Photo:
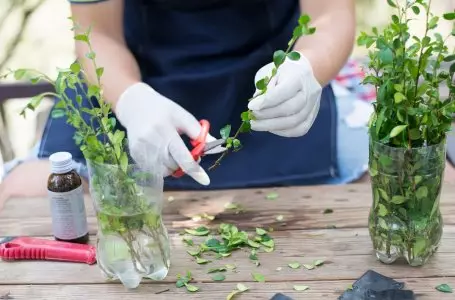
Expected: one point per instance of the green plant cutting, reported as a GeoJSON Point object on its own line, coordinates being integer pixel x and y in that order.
{"type": "Point", "coordinates": [279, 56]}
{"type": "Point", "coordinates": [408, 131]}
{"type": "Point", "coordinates": [123, 210]}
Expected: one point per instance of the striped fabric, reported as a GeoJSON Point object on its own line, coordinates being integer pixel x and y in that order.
{"type": "Point", "coordinates": [351, 76]}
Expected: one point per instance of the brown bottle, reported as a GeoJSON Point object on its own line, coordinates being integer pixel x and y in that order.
{"type": "Point", "coordinates": [66, 195]}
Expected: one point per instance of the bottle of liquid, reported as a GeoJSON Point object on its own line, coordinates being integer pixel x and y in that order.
{"type": "Point", "coordinates": [64, 185]}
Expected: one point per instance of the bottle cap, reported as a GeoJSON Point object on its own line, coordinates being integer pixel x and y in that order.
{"type": "Point", "coordinates": [61, 162]}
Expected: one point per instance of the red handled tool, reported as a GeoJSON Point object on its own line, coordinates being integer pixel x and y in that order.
{"type": "Point", "coordinates": [30, 248]}
{"type": "Point", "coordinates": [200, 146]}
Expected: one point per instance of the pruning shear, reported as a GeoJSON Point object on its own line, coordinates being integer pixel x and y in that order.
{"type": "Point", "coordinates": [201, 147]}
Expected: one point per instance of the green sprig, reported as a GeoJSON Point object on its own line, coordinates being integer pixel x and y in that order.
{"type": "Point", "coordinates": [279, 57]}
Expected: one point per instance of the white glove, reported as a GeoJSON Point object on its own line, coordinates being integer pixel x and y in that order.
{"type": "Point", "coordinates": [291, 103]}
{"type": "Point", "coordinates": [154, 124]}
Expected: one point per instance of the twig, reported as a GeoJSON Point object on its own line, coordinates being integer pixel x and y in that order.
{"type": "Point", "coordinates": [162, 291]}
{"type": "Point", "coordinates": [28, 12]}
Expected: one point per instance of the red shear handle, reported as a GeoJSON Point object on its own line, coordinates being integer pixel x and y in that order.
{"type": "Point", "coordinates": [28, 248]}
{"type": "Point", "coordinates": [198, 145]}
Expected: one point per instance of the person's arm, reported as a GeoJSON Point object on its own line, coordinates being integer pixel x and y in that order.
{"type": "Point", "coordinates": [330, 46]}
{"type": "Point", "coordinates": [107, 38]}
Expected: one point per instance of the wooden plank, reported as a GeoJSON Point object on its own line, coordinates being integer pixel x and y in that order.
{"type": "Point", "coordinates": [301, 207]}
{"type": "Point", "coordinates": [347, 254]}
{"type": "Point", "coordinates": [423, 287]}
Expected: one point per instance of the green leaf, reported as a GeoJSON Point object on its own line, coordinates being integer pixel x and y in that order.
{"type": "Point", "coordinates": [57, 113]}
{"type": "Point", "coordinates": [294, 265]}
{"type": "Point", "coordinates": [318, 262]}
{"type": "Point", "coordinates": [399, 97]}
{"type": "Point", "coordinates": [416, 9]}
{"type": "Point", "coordinates": [19, 73]}
{"type": "Point", "coordinates": [99, 72]}
{"type": "Point", "coordinates": [81, 37]}
{"type": "Point", "coordinates": [91, 55]}
{"type": "Point", "coordinates": [422, 192]}
{"type": "Point", "coordinates": [397, 199]}
{"type": "Point", "coordinates": [308, 266]}
{"type": "Point", "coordinates": [219, 269]}
{"type": "Point", "coordinates": [253, 244]}
{"type": "Point", "coordinates": [301, 288]}
{"type": "Point", "coordinates": [200, 231]}
{"type": "Point", "coordinates": [397, 130]}
{"type": "Point", "coordinates": [261, 231]}
{"type": "Point", "coordinates": [202, 261]}
{"type": "Point", "coordinates": [414, 134]}
{"type": "Point", "coordinates": [304, 20]}
{"type": "Point", "coordinates": [294, 55]}
{"type": "Point", "coordinates": [445, 288]}
{"type": "Point", "coordinates": [258, 277]}
{"type": "Point", "coordinates": [60, 104]}
{"type": "Point", "coordinates": [386, 56]}
{"type": "Point", "coordinates": [383, 194]}
{"type": "Point", "coordinates": [449, 16]}
{"type": "Point", "coordinates": [391, 3]}
{"type": "Point", "coordinates": [191, 288]}
{"type": "Point", "coordinates": [262, 84]}
{"type": "Point", "coordinates": [327, 211]}
{"type": "Point", "coordinates": [124, 162]}
{"type": "Point", "coordinates": [193, 252]}
{"type": "Point", "coordinates": [382, 211]}
{"type": "Point", "coordinates": [218, 277]}
{"type": "Point", "coordinates": [241, 287]}
{"type": "Point", "coordinates": [75, 67]}
{"type": "Point", "coordinates": [449, 58]}
{"type": "Point", "coordinates": [272, 196]}
{"type": "Point", "coordinates": [225, 131]}
{"type": "Point", "coordinates": [278, 57]}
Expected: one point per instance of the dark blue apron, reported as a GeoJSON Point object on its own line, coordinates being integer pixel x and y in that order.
{"type": "Point", "coordinates": [205, 59]}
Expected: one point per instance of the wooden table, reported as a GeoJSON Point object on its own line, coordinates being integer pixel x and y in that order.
{"type": "Point", "coordinates": [304, 235]}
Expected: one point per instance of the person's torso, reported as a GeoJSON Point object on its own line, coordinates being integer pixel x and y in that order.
{"type": "Point", "coordinates": [204, 57]}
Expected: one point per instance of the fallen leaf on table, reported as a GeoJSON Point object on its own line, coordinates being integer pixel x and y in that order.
{"type": "Point", "coordinates": [294, 265]}
{"type": "Point", "coordinates": [201, 261]}
{"type": "Point", "coordinates": [318, 262]}
{"type": "Point", "coordinates": [328, 211]}
{"type": "Point", "coordinates": [301, 287]}
{"type": "Point", "coordinates": [219, 269]}
{"type": "Point", "coordinates": [272, 196]}
{"type": "Point", "coordinates": [261, 231]}
{"type": "Point", "coordinates": [308, 267]}
{"type": "Point", "coordinates": [218, 277]}
{"type": "Point", "coordinates": [258, 277]}
{"type": "Point", "coordinates": [445, 288]}
{"type": "Point", "coordinates": [240, 289]}
{"type": "Point", "coordinates": [279, 218]}
{"type": "Point", "coordinates": [191, 288]}
{"type": "Point", "coordinates": [200, 231]}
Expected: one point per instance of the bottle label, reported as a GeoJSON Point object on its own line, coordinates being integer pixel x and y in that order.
{"type": "Point", "coordinates": [69, 219]}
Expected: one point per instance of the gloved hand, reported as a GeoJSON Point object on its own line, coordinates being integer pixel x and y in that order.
{"type": "Point", "coordinates": [291, 102]}
{"type": "Point", "coordinates": [154, 124]}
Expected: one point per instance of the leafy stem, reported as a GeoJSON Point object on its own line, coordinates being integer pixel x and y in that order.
{"type": "Point", "coordinates": [279, 57]}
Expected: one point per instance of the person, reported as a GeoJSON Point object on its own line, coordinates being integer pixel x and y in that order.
{"type": "Point", "coordinates": [168, 64]}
